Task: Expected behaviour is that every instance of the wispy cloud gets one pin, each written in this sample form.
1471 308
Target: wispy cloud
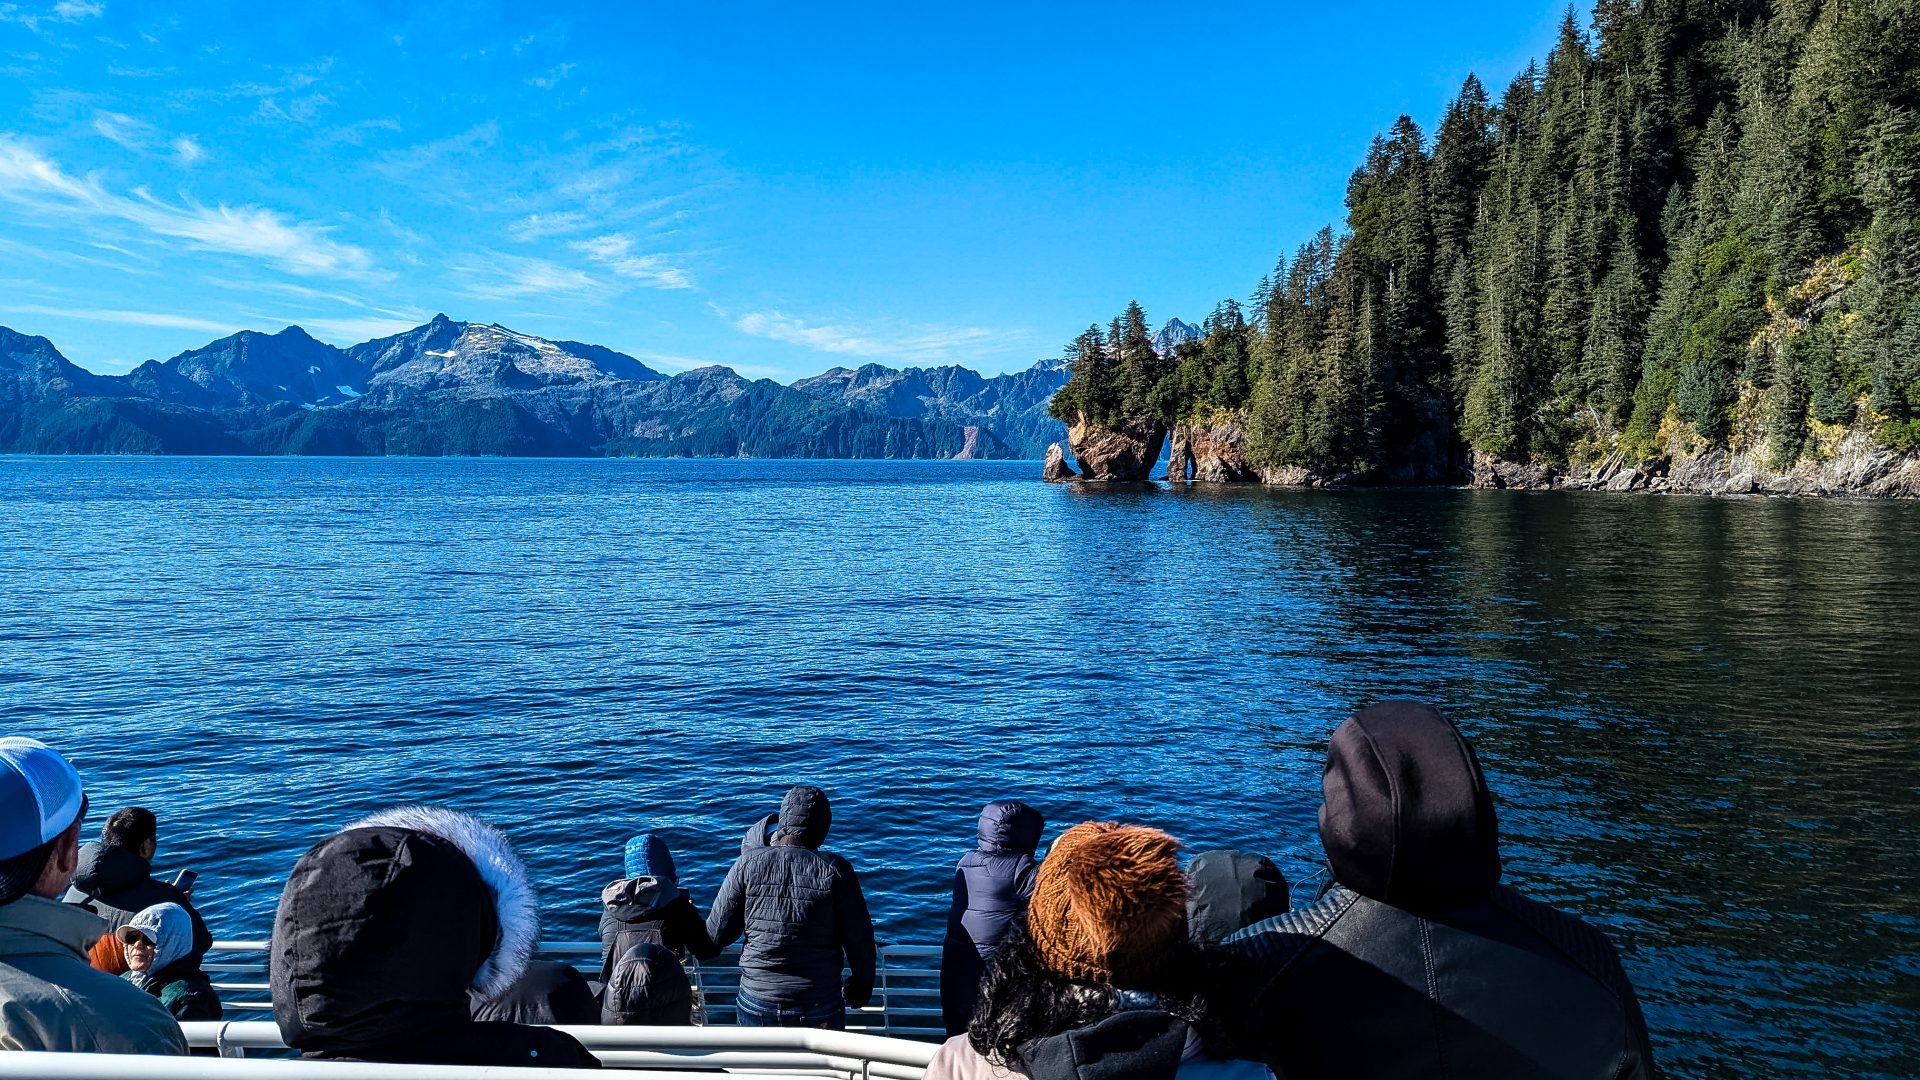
123 129
541 226
615 252
186 151
553 77
355 330
130 318
31 179
33 16
918 343
291 98
507 277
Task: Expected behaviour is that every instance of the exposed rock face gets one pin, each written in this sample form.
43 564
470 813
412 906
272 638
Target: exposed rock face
1056 470
1493 472
1218 449
1180 455
1124 452
1852 465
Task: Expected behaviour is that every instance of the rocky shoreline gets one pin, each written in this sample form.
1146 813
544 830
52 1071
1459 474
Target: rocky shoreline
1851 465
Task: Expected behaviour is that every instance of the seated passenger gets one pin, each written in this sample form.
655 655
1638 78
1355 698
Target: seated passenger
1229 891
990 890
649 988
107 955
383 930
648 905
115 878
1419 962
51 998
1099 980
548 992
801 911
158 946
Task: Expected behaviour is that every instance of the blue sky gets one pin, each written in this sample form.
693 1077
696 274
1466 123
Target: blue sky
779 188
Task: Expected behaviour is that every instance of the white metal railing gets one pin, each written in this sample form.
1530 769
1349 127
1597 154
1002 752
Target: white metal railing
906 991
782 1051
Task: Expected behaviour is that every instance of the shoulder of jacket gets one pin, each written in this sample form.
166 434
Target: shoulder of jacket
1579 942
1279 941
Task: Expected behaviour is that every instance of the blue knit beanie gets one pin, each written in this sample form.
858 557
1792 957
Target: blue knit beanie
647 856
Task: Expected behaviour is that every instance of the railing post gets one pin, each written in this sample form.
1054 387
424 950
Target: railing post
220 1045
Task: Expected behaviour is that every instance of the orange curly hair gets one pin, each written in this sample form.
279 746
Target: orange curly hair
1109 903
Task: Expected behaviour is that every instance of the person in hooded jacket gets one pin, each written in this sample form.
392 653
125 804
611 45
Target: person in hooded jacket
648 906
801 911
548 992
649 988
51 998
115 879
990 890
1099 979
760 833
1231 890
1418 962
158 945
386 929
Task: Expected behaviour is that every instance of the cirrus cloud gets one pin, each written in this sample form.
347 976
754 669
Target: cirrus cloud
918 343
35 181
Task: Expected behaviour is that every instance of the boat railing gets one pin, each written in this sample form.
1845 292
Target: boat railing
665 1053
906 992
848 1055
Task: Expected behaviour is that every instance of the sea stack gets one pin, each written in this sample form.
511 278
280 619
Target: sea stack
1056 470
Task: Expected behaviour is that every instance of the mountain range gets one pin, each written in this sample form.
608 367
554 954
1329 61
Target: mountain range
462 388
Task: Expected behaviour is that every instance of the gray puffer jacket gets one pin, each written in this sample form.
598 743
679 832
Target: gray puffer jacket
801 911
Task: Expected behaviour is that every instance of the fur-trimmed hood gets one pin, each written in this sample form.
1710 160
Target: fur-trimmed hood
386 926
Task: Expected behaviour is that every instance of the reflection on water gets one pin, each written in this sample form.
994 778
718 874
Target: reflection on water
1699 715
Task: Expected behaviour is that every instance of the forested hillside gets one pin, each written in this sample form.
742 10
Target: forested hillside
1695 231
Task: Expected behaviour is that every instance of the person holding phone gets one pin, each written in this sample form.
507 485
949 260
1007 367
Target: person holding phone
115 880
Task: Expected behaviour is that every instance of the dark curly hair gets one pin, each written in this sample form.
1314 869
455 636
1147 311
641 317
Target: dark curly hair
1023 1000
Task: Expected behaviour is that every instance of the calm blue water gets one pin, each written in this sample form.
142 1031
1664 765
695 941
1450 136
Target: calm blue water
1700 715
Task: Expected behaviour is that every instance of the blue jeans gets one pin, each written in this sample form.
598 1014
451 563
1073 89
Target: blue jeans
755 1012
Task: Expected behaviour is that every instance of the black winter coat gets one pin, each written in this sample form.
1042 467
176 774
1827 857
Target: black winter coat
548 992
1506 987
801 912
383 930
1419 963
990 891
115 883
633 913
649 987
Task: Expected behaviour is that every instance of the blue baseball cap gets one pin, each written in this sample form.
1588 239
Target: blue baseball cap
40 798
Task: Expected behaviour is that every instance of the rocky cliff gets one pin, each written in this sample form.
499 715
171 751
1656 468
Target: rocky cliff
1124 452
1212 450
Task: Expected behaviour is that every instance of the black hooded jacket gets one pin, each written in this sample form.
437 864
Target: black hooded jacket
649 987
115 883
1419 963
548 992
383 931
1228 891
801 911
990 891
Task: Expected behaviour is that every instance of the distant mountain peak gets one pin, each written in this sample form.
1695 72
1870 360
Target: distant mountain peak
1173 335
